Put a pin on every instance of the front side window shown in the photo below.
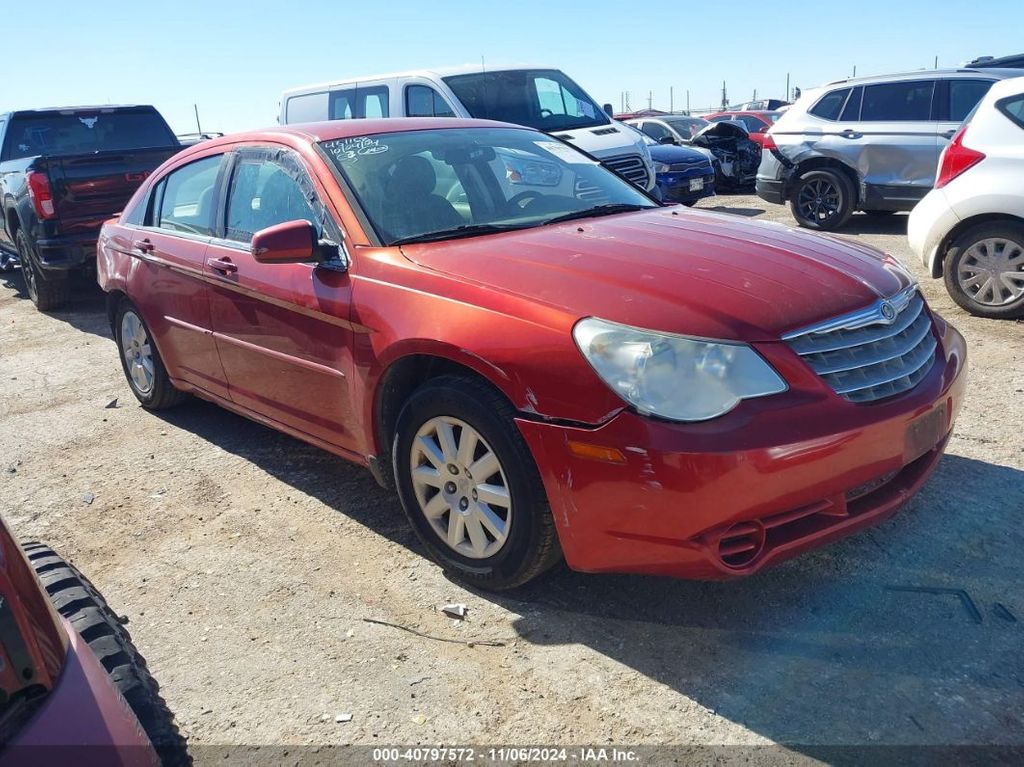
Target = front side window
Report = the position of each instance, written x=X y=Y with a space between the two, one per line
x=539 y=98
x=830 y=106
x=185 y=200
x=898 y=102
x=964 y=95
x=263 y=193
x=359 y=102
x=438 y=184
x=424 y=101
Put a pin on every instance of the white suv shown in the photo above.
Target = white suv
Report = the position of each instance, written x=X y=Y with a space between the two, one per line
x=970 y=228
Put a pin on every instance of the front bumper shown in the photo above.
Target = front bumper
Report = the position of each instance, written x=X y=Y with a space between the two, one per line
x=83 y=720
x=929 y=224
x=675 y=186
x=782 y=476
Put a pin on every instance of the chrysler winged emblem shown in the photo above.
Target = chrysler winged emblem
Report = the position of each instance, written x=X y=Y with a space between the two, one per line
x=888 y=311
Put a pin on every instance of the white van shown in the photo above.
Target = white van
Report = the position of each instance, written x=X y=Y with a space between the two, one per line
x=545 y=99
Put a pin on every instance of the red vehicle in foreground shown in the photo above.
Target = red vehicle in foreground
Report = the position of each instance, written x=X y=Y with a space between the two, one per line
x=539 y=357
x=73 y=688
x=756 y=123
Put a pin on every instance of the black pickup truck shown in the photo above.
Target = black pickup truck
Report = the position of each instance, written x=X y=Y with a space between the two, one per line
x=63 y=172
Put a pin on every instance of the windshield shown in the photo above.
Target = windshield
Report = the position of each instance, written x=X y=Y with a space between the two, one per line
x=544 y=99
x=446 y=183
x=81 y=132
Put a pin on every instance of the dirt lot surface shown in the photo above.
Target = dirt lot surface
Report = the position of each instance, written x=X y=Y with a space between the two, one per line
x=246 y=562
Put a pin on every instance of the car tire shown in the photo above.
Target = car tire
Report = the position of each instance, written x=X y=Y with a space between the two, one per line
x=140 y=359
x=529 y=545
x=78 y=601
x=48 y=290
x=971 y=249
x=822 y=200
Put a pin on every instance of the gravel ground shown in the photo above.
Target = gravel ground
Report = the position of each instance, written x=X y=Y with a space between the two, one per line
x=247 y=561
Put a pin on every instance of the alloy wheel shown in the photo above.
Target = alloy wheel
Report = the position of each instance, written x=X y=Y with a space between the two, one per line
x=138 y=354
x=460 y=487
x=819 y=200
x=991 y=271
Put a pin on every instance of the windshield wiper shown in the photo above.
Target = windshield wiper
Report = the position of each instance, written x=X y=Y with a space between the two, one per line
x=466 y=230
x=598 y=210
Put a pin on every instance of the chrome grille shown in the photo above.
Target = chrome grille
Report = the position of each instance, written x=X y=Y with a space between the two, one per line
x=874 y=353
x=630 y=167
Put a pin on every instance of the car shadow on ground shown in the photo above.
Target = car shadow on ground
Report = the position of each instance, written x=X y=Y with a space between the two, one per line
x=85 y=311
x=874 y=223
x=908 y=633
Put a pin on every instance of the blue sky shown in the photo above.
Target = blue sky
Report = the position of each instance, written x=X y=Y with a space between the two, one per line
x=234 y=58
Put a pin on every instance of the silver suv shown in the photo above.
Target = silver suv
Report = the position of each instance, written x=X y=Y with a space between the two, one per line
x=870 y=143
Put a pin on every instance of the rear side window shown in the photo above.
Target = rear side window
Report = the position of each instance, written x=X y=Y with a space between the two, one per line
x=851 y=112
x=358 y=103
x=1013 y=108
x=964 y=95
x=424 y=101
x=898 y=102
x=308 y=108
x=830 y=106
x=82 y=132
x=185 y=200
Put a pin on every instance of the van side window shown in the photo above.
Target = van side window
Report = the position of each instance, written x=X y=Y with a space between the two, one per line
x=964 y=95
x=186 y=203
x=357 y=103
x=424 y=101
x=307 y=108
x=830 y=105
x=898 y=101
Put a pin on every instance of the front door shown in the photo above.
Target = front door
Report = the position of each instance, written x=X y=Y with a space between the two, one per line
x=282 y=329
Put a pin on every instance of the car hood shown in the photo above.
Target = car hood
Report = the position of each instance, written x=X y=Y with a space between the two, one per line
x=604 y=141
x=688 y=272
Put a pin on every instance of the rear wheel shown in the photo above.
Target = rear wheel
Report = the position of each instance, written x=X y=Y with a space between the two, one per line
x=141 y=361
x=75 y=598
x=48 y=290
x=822 y=200
x=469 y=485
x=984 y=270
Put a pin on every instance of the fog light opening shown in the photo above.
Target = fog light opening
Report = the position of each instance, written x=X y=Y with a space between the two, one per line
x=741 y=544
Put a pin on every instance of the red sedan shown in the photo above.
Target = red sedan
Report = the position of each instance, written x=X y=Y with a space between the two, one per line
x=756 y=123
x=542 y=360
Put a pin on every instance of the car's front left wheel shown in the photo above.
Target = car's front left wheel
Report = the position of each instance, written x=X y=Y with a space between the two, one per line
x=470 y=487
x=141 y=361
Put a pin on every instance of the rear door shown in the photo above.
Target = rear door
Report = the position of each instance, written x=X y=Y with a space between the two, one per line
x=167 y=283
x=954 y=100
x=282 y=329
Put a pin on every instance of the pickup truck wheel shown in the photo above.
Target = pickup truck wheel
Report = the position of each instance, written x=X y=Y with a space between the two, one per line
x=822 y=200
x=984 y=270
x=141 y=360
x=470 y=487
x=47 y=290
x=75 y=598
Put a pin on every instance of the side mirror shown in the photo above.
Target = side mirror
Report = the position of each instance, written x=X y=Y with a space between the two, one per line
x=667 y=140
x=291 y=242
x=609 y=110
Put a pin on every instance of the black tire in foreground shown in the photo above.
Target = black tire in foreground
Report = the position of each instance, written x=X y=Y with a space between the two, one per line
x=530 y=546
x=822 y=200
x=151 y=385
x=46 y=289
x=984 y=270
x=75 y=598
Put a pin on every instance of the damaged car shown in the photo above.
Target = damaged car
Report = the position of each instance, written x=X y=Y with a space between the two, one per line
x=737 y=157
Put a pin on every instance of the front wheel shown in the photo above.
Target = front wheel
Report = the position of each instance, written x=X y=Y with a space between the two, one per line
x=822 y=200
x=984 y=270
x=141 y=361
x=469 y=485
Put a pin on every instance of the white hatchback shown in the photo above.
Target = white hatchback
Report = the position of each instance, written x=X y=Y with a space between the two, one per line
x=970 y=228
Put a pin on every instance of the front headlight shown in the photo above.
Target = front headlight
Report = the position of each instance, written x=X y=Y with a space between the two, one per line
x=662 y=167
x=674 y=377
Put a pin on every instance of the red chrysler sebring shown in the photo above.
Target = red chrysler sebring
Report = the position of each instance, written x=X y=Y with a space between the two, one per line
x=540 y=359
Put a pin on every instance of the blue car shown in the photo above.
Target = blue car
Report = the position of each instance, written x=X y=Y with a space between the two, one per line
x=683 y=174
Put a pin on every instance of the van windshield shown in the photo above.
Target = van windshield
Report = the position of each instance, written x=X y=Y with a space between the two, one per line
x=544 y=99
x=438 y=184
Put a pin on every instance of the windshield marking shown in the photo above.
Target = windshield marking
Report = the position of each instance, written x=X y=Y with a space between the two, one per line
x=351 y=149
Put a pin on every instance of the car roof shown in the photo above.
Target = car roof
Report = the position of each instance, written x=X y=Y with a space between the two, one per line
x=436 y=73
x=927 y=74
x=338 y=129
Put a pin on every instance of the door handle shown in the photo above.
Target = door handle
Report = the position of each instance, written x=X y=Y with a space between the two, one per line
x=850 y=134
x=223 y=265
x=949 y=133
x=145 y=246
